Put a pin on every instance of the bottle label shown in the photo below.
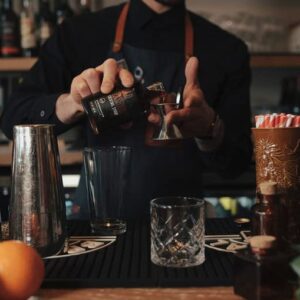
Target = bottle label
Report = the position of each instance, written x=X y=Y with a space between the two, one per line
x=28 y=39
x=8 y=28
x=60 y=19
x=113 y=105
x=114 y=109
x=45 y=31
x=9 y=38
x=1 y=97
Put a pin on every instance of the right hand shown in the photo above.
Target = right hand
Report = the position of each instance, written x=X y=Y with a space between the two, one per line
x=91 y=81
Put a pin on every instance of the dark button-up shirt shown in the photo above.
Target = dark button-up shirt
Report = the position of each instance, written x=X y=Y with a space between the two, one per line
x=84 y=41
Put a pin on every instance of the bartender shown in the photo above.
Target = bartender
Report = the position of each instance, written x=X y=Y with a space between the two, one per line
x=160 y=41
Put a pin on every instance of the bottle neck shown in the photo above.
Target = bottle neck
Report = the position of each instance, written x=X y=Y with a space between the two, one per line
x=147 y=96
x=28 y=5
x=63 y=11
x=7 y=4
x=270 y=199
x=85 y=5
x=45 y=5
x=61 y=3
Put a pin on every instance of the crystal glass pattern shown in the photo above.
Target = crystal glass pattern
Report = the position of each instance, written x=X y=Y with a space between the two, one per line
x=177 y=231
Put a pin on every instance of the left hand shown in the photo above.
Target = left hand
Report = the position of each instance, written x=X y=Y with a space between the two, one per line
x=196 y=116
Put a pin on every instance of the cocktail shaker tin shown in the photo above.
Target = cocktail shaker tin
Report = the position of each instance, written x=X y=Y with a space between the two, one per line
x=37 y=207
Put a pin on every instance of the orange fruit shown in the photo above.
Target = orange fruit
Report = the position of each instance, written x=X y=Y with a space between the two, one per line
x=21 y=270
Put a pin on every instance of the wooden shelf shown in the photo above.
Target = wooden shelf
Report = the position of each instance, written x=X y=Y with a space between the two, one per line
x=275 y=60
x=67 y=157
x=257 y=61
x=16 y=64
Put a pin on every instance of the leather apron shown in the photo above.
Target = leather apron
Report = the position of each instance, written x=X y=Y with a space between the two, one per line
x=155 y=171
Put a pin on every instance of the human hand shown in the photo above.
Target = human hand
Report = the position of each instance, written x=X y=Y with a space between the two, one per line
x=196 y=116
x=91 y=81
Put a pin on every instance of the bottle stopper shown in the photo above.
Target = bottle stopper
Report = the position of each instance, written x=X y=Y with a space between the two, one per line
x=262 y=242
x=268 y=188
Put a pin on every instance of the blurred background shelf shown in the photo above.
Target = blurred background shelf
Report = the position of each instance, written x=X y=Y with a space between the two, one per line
x=18 y=64
x=275 y=60
x=21 y=64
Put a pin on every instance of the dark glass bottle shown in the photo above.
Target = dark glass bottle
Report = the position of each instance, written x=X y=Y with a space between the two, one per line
x=296 y=100
x=269 y=215
x=262 y=272
x=3 y=90
x=28 y=30
x=62 y=11
x=121 y=106
x=9 y=30
x=46 y=22
x=85 y=7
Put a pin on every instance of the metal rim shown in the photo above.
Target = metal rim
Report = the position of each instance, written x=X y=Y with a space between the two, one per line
x=34 y=126
x=106 y=148
x=193 y=202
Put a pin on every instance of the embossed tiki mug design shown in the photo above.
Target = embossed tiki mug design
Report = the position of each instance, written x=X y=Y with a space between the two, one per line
x=277 y=154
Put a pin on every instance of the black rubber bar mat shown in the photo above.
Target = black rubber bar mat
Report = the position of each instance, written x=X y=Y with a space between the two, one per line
x=126 y=263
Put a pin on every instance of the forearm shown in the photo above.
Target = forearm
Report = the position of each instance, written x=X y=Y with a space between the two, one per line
x=31 y=109
x=68 y=111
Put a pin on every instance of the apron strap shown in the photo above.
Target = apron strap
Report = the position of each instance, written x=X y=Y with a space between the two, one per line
x=189 y=37
x=119 y=36
x=120 y=29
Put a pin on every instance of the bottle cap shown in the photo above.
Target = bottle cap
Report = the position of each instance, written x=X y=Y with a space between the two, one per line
x=262 y=242
x=268 y=188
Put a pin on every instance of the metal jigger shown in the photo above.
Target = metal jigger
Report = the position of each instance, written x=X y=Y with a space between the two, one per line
x=37 y=207
x=164 y=131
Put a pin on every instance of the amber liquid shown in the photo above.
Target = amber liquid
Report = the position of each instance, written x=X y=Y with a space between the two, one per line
x=269 y=217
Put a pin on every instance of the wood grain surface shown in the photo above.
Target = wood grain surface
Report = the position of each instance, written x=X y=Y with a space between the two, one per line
x=213 y=293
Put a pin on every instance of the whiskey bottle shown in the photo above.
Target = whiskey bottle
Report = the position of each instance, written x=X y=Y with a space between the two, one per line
x=9 y=30
x=121 y=106
x=28 y=30
x=63 y=11
x=85 y=6
x=46 y=23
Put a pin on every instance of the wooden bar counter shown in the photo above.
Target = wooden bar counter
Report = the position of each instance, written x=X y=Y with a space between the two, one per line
x=123 y=270
x=214 y=293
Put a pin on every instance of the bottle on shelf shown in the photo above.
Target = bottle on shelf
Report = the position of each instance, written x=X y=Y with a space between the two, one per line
x=62 y=11
x=46 y=22
x=269 y=216
x=85 y=6
x=262 y=271
x=296 y=100
x=9 y=30
x=2 y=94
x=28 y=30
x=290 y=94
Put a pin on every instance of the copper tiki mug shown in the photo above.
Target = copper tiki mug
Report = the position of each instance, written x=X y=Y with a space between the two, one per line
x=277 y=154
